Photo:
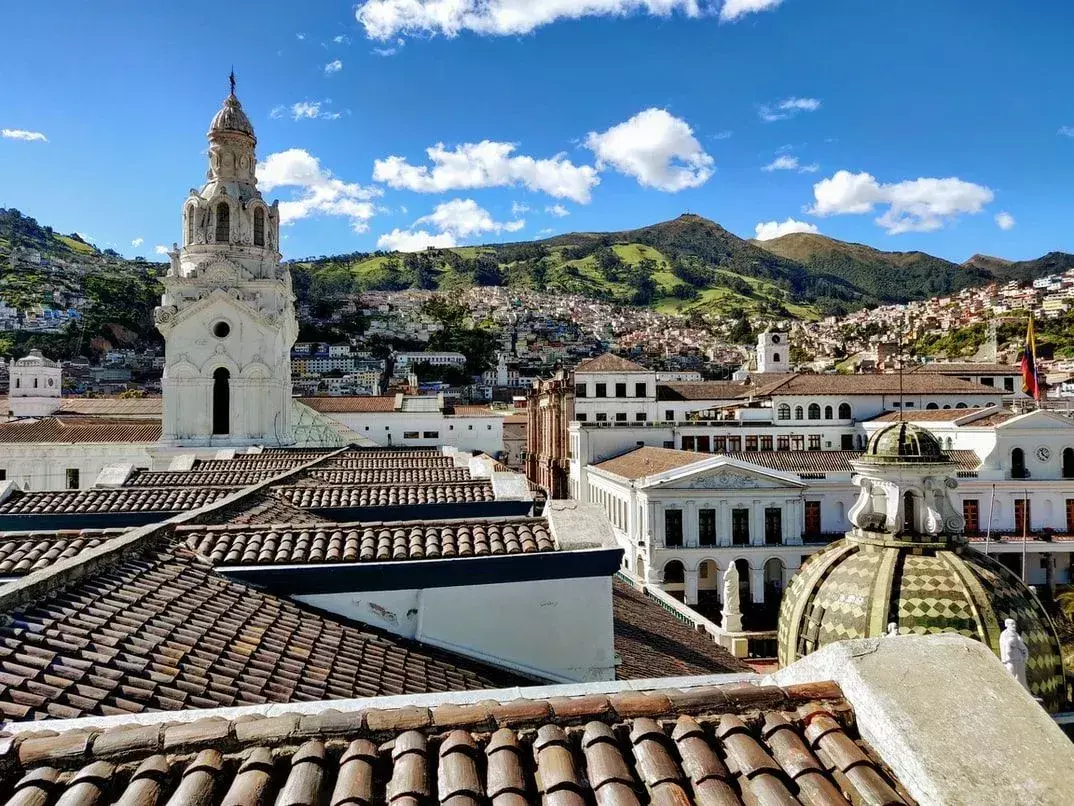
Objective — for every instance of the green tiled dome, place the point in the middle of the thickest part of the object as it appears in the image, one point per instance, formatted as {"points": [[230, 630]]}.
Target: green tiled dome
{"points": [[855, 587], [904, 442]]}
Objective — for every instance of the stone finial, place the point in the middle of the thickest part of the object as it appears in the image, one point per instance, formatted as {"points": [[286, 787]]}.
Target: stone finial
{"points": [[893, 629], [1013, 651]]}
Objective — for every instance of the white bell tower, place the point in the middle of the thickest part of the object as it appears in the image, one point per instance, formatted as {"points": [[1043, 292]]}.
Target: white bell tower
{"points": [[227, 313], [773, 352]]}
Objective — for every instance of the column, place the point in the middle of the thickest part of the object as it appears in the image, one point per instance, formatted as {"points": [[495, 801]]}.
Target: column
{"points": [[690, 533], [788, 520], [756, 523], [657, 525], [757, 584], [691, 586], [723, 526]]}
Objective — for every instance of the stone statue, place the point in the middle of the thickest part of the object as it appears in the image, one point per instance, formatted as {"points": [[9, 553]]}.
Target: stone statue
{"points": [[1013, 651], [893, 630], [732, 611]]}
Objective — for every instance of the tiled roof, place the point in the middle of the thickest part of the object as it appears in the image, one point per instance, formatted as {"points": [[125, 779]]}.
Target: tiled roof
{"points": [[165, 633], [609, 363], [195, 478], [701, 390], [927, 415], [722, 745], [262, 508], [113, 406], [387, 495], [23, 552], [647, 461], [473, 411], [121, 499], [367, 542], [912, 384], [989, 420], [406, 475], [273, 463], [969, 369], [650, 642], [306, 455], [78, 430], [350, 405], [347, 462]]}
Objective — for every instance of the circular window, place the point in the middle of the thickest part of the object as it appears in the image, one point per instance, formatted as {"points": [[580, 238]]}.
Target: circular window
{"points": [[51, 381], [775, 339], [221, 330]]}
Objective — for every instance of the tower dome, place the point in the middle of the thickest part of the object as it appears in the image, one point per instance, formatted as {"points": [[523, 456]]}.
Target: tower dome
{"points": [[231, 118], [905, 562]]}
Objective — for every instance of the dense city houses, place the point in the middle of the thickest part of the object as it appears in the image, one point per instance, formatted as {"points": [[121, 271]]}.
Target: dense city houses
{"points": [[232, 595]]}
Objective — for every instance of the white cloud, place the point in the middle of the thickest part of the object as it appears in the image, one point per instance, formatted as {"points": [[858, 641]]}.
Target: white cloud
{"points": [[1066, 131], [137, 242], [786, 162], [488, 164], [767, 230], [787, 108], [318, 192], [300, 37], [341, 39], [722, 135], [402, 241], [519, 209], [656, 148], [333, 67], [917, 205], [306, 110], [160, 249], [1005, 221], [546, 231], [23, 134], [558, 210], [384, 19], [399, 45], [464, 217], [734, 9]]}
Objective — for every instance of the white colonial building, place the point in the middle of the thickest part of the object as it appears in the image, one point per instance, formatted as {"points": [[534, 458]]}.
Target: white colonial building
{"points": [[35, 387], [228, 314]]}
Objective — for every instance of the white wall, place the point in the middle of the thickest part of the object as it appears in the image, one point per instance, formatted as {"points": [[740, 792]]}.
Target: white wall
{"points": [[557, 629], [465, 433], [44, 466]]}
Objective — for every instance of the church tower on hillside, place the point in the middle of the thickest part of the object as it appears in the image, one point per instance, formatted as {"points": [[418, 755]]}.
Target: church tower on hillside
{"points": [[228, 313]]}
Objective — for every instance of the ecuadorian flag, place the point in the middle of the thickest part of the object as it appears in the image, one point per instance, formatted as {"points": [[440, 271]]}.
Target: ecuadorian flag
{"points": [[1030, 379]]}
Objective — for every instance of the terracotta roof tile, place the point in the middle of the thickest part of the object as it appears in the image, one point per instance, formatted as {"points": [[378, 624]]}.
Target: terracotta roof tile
{"points": [[386, 495], [163, 632], [911, 384], [350, 405], [651, 642], [938, 415], [367, 542], [609, 363], [195, 478], [113, 406], [968, 369], [701, 390], [97, 500], [76, 430], [405, 475], [570, 751], [647, 461], [23, 552]]}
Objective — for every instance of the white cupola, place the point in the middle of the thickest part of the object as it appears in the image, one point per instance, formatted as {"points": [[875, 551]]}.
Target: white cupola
{"points": [[35, 386]]}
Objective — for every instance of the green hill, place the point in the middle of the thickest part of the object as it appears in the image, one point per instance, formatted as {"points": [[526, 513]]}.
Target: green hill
{"points": [[884, 276]]}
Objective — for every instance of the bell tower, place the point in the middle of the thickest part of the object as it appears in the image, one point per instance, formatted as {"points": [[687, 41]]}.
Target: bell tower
{"points": [[228, 313]]}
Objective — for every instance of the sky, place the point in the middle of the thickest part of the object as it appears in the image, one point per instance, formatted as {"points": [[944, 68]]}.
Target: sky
{"points": [[945, 126]]}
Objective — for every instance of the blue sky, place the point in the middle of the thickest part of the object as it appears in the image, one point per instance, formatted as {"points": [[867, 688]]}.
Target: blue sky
{"points": [[937, 125]]}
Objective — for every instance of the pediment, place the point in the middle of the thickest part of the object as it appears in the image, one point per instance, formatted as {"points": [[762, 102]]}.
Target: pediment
{"points": [[727, 476], [1035, 421]]}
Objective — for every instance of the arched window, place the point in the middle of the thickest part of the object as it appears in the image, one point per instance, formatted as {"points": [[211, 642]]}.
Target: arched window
{"points": [[191, 214], [18, 383], [947, 405], [828, 412], [223, 223], [844, 411], [775, 358], [960, 405], [221, 402], [35, 383], [932, 406], [814, 411], [1018, 464], [259, 227], [1068, 463], [798, 412], [674, 573], [909, 513], [783, 412]]}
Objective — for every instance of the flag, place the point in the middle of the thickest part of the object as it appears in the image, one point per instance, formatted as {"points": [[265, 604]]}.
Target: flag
{"points": [[1030, 378]]}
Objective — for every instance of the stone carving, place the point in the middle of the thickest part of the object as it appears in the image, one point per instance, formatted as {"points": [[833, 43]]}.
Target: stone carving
{"points": [[1013, 652], [732, 608], [725, 481], [893, 630]]}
